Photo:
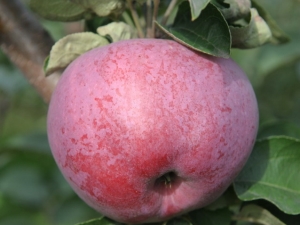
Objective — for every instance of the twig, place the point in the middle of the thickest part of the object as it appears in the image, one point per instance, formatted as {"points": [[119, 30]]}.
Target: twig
{"points": [[27, 44], [149, 18], [168, 12], [154, 16], [136, 20]]}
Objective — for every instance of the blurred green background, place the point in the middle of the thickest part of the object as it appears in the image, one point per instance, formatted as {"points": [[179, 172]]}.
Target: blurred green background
{"points": [[32, 190]]}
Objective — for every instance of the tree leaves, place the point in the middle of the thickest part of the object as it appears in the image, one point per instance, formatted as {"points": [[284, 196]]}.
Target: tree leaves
{"points": [[65, 10], [258, 215], [209, 33], [197, 6], [234, 10], [70, 47], [252, 35], [100, 221], [33, 142], [249, 33], [117, 31], [278, 36], [272, 173], [279, 92], [102, 7], [60, 10], [212, 28]]}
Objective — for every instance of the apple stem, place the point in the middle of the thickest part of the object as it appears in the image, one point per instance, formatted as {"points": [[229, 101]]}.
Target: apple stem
{"points": [[154, 16], [168, 12], [149, 18], [136, 19]]}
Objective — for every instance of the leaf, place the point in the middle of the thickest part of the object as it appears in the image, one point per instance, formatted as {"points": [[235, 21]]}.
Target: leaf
{"points": [[209, 33], [280, 127], [103, 7], [66, 10], [272, 173], [60, 10], [34, 142], [258, 215], [70, 47], [99, 221], [209, 217], [118, 31], [24, 184], [197, 6], [278, 95], [278, 36], [255, 34], [237, 9]]}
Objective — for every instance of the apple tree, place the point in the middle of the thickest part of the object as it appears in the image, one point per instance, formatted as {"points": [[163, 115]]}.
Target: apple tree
{"points": [[40, 39]]}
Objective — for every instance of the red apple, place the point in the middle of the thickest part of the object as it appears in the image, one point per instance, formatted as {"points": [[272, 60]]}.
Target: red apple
{"points": [[147, 129]]}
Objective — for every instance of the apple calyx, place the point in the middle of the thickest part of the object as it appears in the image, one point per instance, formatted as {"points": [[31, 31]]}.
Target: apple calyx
{"points": [[167, 179]]}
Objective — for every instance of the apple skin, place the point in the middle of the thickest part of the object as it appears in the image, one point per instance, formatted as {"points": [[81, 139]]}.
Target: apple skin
{"points": [[147, 129]]}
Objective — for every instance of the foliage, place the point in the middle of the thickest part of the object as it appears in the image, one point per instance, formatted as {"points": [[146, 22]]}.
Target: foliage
{"points": [[32, 190], [210, 36], [213, 28]]}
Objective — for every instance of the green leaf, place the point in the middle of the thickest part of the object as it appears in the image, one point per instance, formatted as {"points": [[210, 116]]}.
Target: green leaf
{"points": [[99, 221], [255, 34], [118, 31], [70, 47], [278, 36], [280, 127], [197, 6], [23, 184], [209, 33], [66, 10], [60, 10], [102, 7], [209, 217], [278, 95], [257, 215], [34, 142], [272, 173]]}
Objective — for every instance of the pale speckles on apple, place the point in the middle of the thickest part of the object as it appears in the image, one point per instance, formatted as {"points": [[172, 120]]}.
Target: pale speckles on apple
{"points": [[125, 116]]}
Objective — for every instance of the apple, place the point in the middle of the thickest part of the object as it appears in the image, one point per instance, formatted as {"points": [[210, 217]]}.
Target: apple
{"points": [[147, 129]]}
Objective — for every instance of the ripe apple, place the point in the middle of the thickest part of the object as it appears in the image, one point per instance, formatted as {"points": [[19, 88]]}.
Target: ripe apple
{"points": [[147, 129]]}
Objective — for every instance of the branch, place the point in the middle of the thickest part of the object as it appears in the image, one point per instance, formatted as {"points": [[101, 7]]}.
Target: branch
{"points": [[27, 44], [168, 12], [136, 19], [149, 19], [154, 16]]}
